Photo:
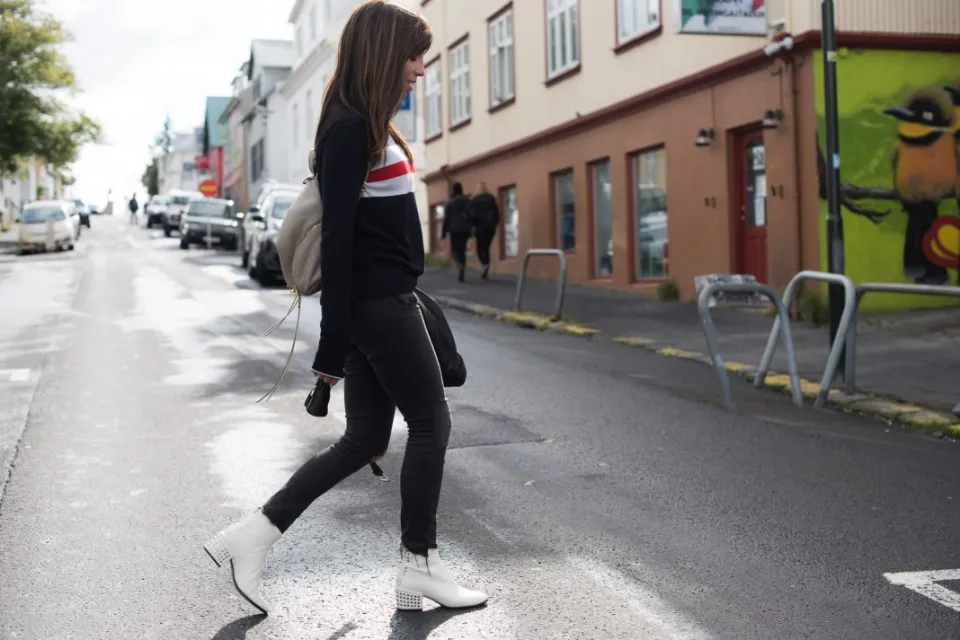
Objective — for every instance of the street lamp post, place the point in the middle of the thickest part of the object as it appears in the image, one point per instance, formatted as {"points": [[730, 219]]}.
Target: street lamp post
{"points": [[835, 251]]}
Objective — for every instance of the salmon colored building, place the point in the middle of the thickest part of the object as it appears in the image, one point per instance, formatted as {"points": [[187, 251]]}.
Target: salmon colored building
{"points": [[649, 142]]}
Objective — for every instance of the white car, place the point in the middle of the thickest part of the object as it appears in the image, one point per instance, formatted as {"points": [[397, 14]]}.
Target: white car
{"points": [[47, 225]]}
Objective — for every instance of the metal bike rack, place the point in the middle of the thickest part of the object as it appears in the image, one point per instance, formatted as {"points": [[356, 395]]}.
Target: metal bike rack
{"points": [[561, 283], [833, 359], [710, 332], [850, 375]]}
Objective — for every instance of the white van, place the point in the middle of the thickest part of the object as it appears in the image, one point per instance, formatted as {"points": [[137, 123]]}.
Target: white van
{"points": [[47, 225]]}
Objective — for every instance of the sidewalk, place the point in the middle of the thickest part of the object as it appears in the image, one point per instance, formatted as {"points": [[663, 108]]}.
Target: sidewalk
{"points": [[908, 357]]}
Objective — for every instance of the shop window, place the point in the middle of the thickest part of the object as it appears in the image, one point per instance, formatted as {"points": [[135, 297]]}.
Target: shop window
{"points": [[602, 219], [563, 36], [650, 214], [564, 207], [511, 222]]}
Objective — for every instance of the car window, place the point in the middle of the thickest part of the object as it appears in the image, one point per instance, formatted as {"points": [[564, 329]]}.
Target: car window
{"points": [[180, 199], [209, 208], [281, 205], [34, 215]]}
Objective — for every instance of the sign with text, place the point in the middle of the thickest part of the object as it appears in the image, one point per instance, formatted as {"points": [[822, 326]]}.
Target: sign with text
{"points": [[405, 119], [732, 17]]}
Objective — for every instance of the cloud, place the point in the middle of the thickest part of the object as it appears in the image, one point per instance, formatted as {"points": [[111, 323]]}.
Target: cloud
{"points": [[137, 61]]}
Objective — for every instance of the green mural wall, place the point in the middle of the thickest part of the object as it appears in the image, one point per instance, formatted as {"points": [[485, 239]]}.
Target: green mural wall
{"points": [[899, 117]]}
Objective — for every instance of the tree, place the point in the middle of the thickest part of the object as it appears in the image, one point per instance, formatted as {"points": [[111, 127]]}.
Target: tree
{"points": [[33, 74], [151, 178]]}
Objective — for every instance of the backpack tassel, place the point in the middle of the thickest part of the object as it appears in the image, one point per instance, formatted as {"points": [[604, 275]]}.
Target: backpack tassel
{"points": [[296, 331]]}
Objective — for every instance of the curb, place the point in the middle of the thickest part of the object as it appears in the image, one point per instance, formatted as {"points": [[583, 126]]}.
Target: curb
{"points": [[891, 411]]}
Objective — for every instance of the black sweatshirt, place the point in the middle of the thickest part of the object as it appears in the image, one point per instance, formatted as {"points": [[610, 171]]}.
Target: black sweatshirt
{"points": [[371, 245]]}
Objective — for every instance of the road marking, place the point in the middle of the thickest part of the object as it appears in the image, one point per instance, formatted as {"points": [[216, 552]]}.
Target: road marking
{"points": [[15, 375], [925, 583]]}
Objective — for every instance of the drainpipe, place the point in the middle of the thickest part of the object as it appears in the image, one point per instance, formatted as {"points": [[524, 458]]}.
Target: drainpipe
{"points": [[797, 159]]}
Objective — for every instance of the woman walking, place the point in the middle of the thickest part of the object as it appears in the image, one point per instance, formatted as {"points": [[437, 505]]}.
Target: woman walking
{"points": [[372, 334]]}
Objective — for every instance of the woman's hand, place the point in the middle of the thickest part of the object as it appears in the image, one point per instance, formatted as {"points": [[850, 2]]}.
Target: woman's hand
{"points": [[330, 381]]}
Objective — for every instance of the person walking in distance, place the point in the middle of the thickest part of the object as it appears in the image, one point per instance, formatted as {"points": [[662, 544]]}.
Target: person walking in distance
{"points": [[486, 219], [372, 333], [134, 207], [457, 222]]}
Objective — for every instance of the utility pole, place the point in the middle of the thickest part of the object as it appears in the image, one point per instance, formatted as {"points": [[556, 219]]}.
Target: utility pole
{"points": [[835, 253]]}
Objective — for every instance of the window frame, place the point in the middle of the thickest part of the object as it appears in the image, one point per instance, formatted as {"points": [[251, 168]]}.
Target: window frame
{"points": [[555, 178], [458, 79], [496, 50], [572, 35], [433, 93], [625, 41], [634, 160]]}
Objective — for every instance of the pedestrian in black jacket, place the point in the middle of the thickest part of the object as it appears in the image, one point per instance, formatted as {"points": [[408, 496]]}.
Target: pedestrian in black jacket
{"points": [[458, 223], [486, 219], [372, 332]]}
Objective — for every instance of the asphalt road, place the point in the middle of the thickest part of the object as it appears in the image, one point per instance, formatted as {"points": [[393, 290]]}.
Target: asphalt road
{"points": [[598, 492]]}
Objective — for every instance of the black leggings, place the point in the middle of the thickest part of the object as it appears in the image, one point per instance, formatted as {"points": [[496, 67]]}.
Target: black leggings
{"points": [[391, 365]]}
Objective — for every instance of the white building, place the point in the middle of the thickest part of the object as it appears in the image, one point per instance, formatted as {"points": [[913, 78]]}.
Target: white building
{"points": [[317, 25], [267, 122], [178, 168]]}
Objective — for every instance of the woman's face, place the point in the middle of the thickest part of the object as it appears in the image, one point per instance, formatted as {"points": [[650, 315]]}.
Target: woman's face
{"points": [[413, 70]]}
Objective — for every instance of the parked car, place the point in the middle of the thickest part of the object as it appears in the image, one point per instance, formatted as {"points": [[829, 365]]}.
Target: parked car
{"points": [[254, 220], [83, 211], [264, 261], [175, 208], [156, 207], [47, 225], [215, 218]]}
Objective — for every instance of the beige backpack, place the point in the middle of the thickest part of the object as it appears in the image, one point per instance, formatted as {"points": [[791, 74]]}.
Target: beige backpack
{"points": [[298, 246]]}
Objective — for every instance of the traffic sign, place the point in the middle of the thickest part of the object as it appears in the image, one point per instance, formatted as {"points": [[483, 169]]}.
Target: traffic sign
{"points": [[208, 188]]}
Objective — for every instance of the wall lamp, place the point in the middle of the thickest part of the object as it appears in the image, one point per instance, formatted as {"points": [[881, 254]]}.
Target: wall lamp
{"points": [[705, 137], [772, 118]]}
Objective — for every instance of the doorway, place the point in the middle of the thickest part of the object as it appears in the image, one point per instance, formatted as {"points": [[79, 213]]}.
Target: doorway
{"points": [[750, 198]]}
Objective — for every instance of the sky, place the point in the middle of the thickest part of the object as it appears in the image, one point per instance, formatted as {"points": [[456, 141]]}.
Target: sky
{"points": [[138, 61]]}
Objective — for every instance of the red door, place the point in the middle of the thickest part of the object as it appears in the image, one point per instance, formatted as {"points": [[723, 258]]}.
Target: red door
{"points": [[751, 200]]}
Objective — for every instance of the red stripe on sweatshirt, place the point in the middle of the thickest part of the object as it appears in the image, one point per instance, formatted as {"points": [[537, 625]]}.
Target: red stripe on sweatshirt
{"points": [[395, 170]]}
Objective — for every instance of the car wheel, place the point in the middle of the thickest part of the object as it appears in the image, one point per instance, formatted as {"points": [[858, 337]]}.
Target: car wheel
{"points": [[245, 260], [184, 244], [261, 273], [70, 247]]}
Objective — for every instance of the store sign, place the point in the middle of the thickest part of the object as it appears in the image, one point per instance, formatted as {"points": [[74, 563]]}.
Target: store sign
{"points": [[405, 119], [732, 17]]}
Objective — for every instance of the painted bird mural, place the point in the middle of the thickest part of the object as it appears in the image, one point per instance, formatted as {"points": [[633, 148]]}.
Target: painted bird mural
{"points": [[925, 167]]}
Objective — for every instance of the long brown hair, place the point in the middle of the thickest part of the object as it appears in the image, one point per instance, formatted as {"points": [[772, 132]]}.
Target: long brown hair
{"points": [[377, 41]]}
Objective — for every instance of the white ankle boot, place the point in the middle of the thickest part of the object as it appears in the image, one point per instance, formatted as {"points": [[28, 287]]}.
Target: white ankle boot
{"points": [[245, 544], [427, 577]]}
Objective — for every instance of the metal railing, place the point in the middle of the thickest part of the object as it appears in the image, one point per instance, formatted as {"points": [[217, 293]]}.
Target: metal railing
{"points": [[561, 283], [833, 358], [850, 376], [710, 332]]}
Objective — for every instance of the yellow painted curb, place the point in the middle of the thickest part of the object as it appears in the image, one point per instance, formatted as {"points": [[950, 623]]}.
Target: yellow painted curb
{"points": [[884, 408], [671, 352], [781, 382], [635, 341], [738, 367], [544, 323]]}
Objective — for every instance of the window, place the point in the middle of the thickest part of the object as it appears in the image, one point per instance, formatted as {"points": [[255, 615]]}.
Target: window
{"points": [[296, 127], [257, 88], [636, 18], [501, 58], [602, 220], [298, 41], [511, 222], [460, 83], [563, 205], [433, 100], [257, 160], [563, 28], [313, 24], [309, 123], [650, 213]]}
